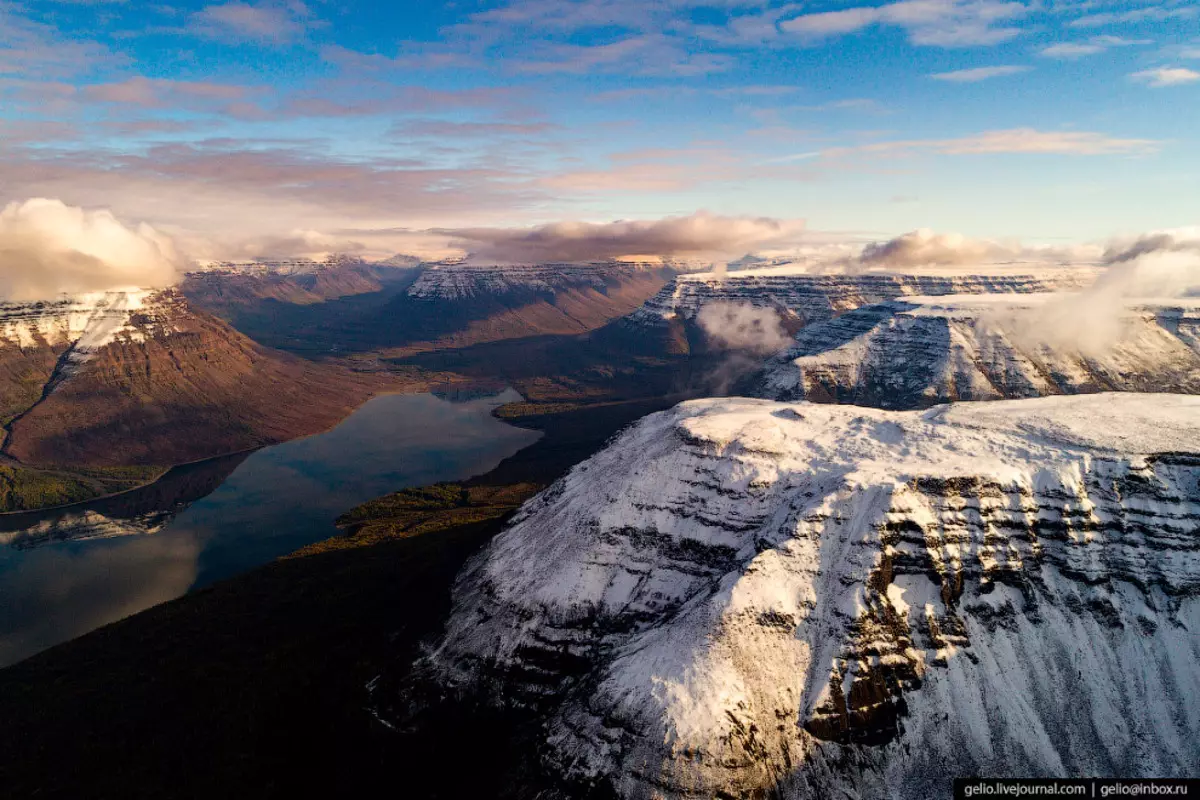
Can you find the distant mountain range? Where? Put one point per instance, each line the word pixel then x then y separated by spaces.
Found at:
pixel 354 307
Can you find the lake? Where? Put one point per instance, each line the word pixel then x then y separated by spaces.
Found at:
pixel 66 572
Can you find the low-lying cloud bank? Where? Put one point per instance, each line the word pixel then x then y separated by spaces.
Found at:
pixel 743 326
pixel 1180 240
pixel 48 248
pixel 698 236
pixel 1095 320
pixel 926 248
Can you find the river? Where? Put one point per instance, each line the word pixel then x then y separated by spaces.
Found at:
pixel 66 572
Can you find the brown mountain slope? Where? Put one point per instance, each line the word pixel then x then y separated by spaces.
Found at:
pixel 435 323
pixel 420 311
pixel 180 385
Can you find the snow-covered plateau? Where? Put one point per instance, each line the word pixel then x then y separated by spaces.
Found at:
pixel 919 351
pixel 811 297
pixel 742 596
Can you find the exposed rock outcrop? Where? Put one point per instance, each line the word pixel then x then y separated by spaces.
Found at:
pixel 739 597
pixel 917 352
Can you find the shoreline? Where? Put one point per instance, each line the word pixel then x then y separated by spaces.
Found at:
pixel 167 469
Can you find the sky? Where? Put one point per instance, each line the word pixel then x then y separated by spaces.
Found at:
pixel 285 128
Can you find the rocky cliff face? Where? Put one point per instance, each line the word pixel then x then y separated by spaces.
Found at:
pixel 739 597
pixel 144 378
pixel 917 352
pixel 814 298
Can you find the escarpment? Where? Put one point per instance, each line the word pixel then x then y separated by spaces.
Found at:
pixel 739 597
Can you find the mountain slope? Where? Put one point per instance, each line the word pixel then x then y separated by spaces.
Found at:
pixel 738 597
pixel 228 289
pixel 917 352
pixel 435 308
pixel 143 378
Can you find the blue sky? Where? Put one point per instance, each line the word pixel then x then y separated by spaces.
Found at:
pixel 288 125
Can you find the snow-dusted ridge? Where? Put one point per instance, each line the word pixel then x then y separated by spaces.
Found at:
pixel 739 596
pixel 918 351
pixel 459 281
pixel 86 322
pixel 813 297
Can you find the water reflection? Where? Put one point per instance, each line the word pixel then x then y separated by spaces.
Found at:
pixel 66 572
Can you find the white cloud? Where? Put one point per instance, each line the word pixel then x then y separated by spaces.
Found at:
pixel 1015 141
pixel 1097 44
pixel 1166 76
pixel 273 23
pixel 978 74
pixel 1132 16
pixel 927 248
pixel 924 247
pixel 937 23
pixel 1174 240
pixel 700 235
pixel 1072 50
pixel 742 326
pixel 47 247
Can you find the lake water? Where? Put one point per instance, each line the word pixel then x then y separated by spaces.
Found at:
pixel 67 572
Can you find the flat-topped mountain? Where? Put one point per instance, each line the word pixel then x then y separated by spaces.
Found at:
pixel 741 597
pixel 812 297
pixel 230 288
pixel 917 352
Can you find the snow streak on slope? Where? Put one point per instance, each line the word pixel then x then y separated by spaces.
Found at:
pixel 828 601
pixel 87 321
pixel 916 352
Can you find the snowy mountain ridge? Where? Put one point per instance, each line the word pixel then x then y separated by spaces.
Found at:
pixel 741 596
pixel 81 324
pixel 815 297
pixel 918 351
pixel 454 282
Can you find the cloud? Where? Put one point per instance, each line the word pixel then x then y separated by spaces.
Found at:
pixel 1019 140
pixel 923 247
pixel 699 235
pixel 236 22
pixel 936 23
pixel 1095 320
pixel 1132 16
pixel 32 48
pixel 743 326
pixel 1166 76
pixel 159 93
pixel 927 248
pixel 1169 241
pixel 448 129
pixel 1097 44
pixel 47 247
pixel 978 74
pixel 1071 50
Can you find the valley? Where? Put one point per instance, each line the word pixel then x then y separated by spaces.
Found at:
pixel 599 399
pixel 641 583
